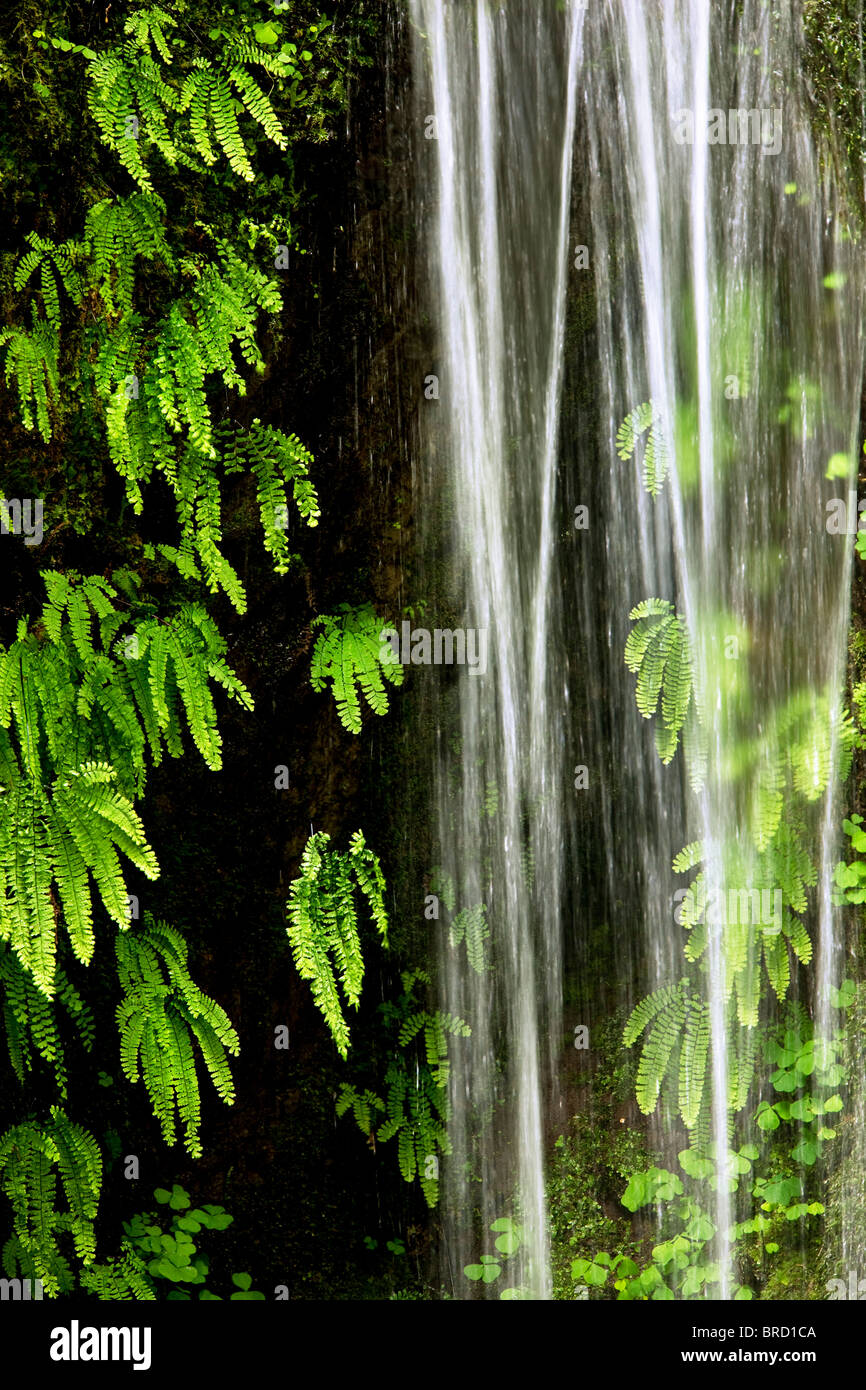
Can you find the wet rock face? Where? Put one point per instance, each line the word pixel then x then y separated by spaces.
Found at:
pixel 301 1185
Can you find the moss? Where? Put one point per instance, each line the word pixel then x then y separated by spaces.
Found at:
pixel 833 59
pixel 591 1164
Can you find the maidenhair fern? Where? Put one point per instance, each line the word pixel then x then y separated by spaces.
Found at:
pixel 153 377
pixel 31 1023
pixel 81 709
pixel 677 1024
pixel 121 1279
pixel 60 836
pixel 57 266
pixel 277 461
pixel 754 913
pixel 348 653
pixel 137 672
pixel 32 1158
pixel 645 420
pixel 417 1114
pixel 658 651
pixel 415 1109
pixel 470 926
pixel 117 232
pixel 103 682
pixel 211 98
pixel 442 885
pixel 153 383
pixel 793 758
pixel 32 364
pixel 163 1012
pixel 323 925
pixel 137 102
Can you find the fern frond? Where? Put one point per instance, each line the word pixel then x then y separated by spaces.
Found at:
pixel 121 1279
pixel 645 420
pixel 323 927
pixel 470 925
pixel 348 653
pixel 693 1061
pixel 161 1012
pixel 29 1155
pixel 658 651
pixel 32 363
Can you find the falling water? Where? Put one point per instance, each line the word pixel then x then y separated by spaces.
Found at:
pixel 724 293
pixel 503 92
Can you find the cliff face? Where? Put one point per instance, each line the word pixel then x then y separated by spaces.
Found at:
pixel 343 373
pixel 304 1187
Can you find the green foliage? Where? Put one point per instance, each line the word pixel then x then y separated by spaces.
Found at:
pixel 277 461
pixel 470 926
pixel 77 723
pixel 776 776
pixel 154 1258
pixel 57 266
pixel 172 1255
pixel 151 370
pixel 758 923
pixel 807 1076
pixel 850 879
pixel 680 1265
pixel 31 1023
pixel 161 1013
pixel 32 363
pixel 659 653
pixel 442 884
pixel 32 1158
pixel 792 760
pixel 197 337
pixel 587 1168
pixel 833 58
pixel 416 1108
pixel 139 671
pixel 806 1073
pixel 676 1051
pixel 348 653
pixel 651 1186
pixel 121 1279
pixel 158 418
pixel 62 839
pixel 677 1024
pixel 645 420
pixel 323 924
pixel 139 100
pixel 117 231
pixel 509 1239
pixel 133 324
pixel 594 1271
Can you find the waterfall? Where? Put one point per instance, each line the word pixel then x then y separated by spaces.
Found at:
pixel 503 93
pixel 657 163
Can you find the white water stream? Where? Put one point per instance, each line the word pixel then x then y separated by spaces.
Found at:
pixel 711 248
